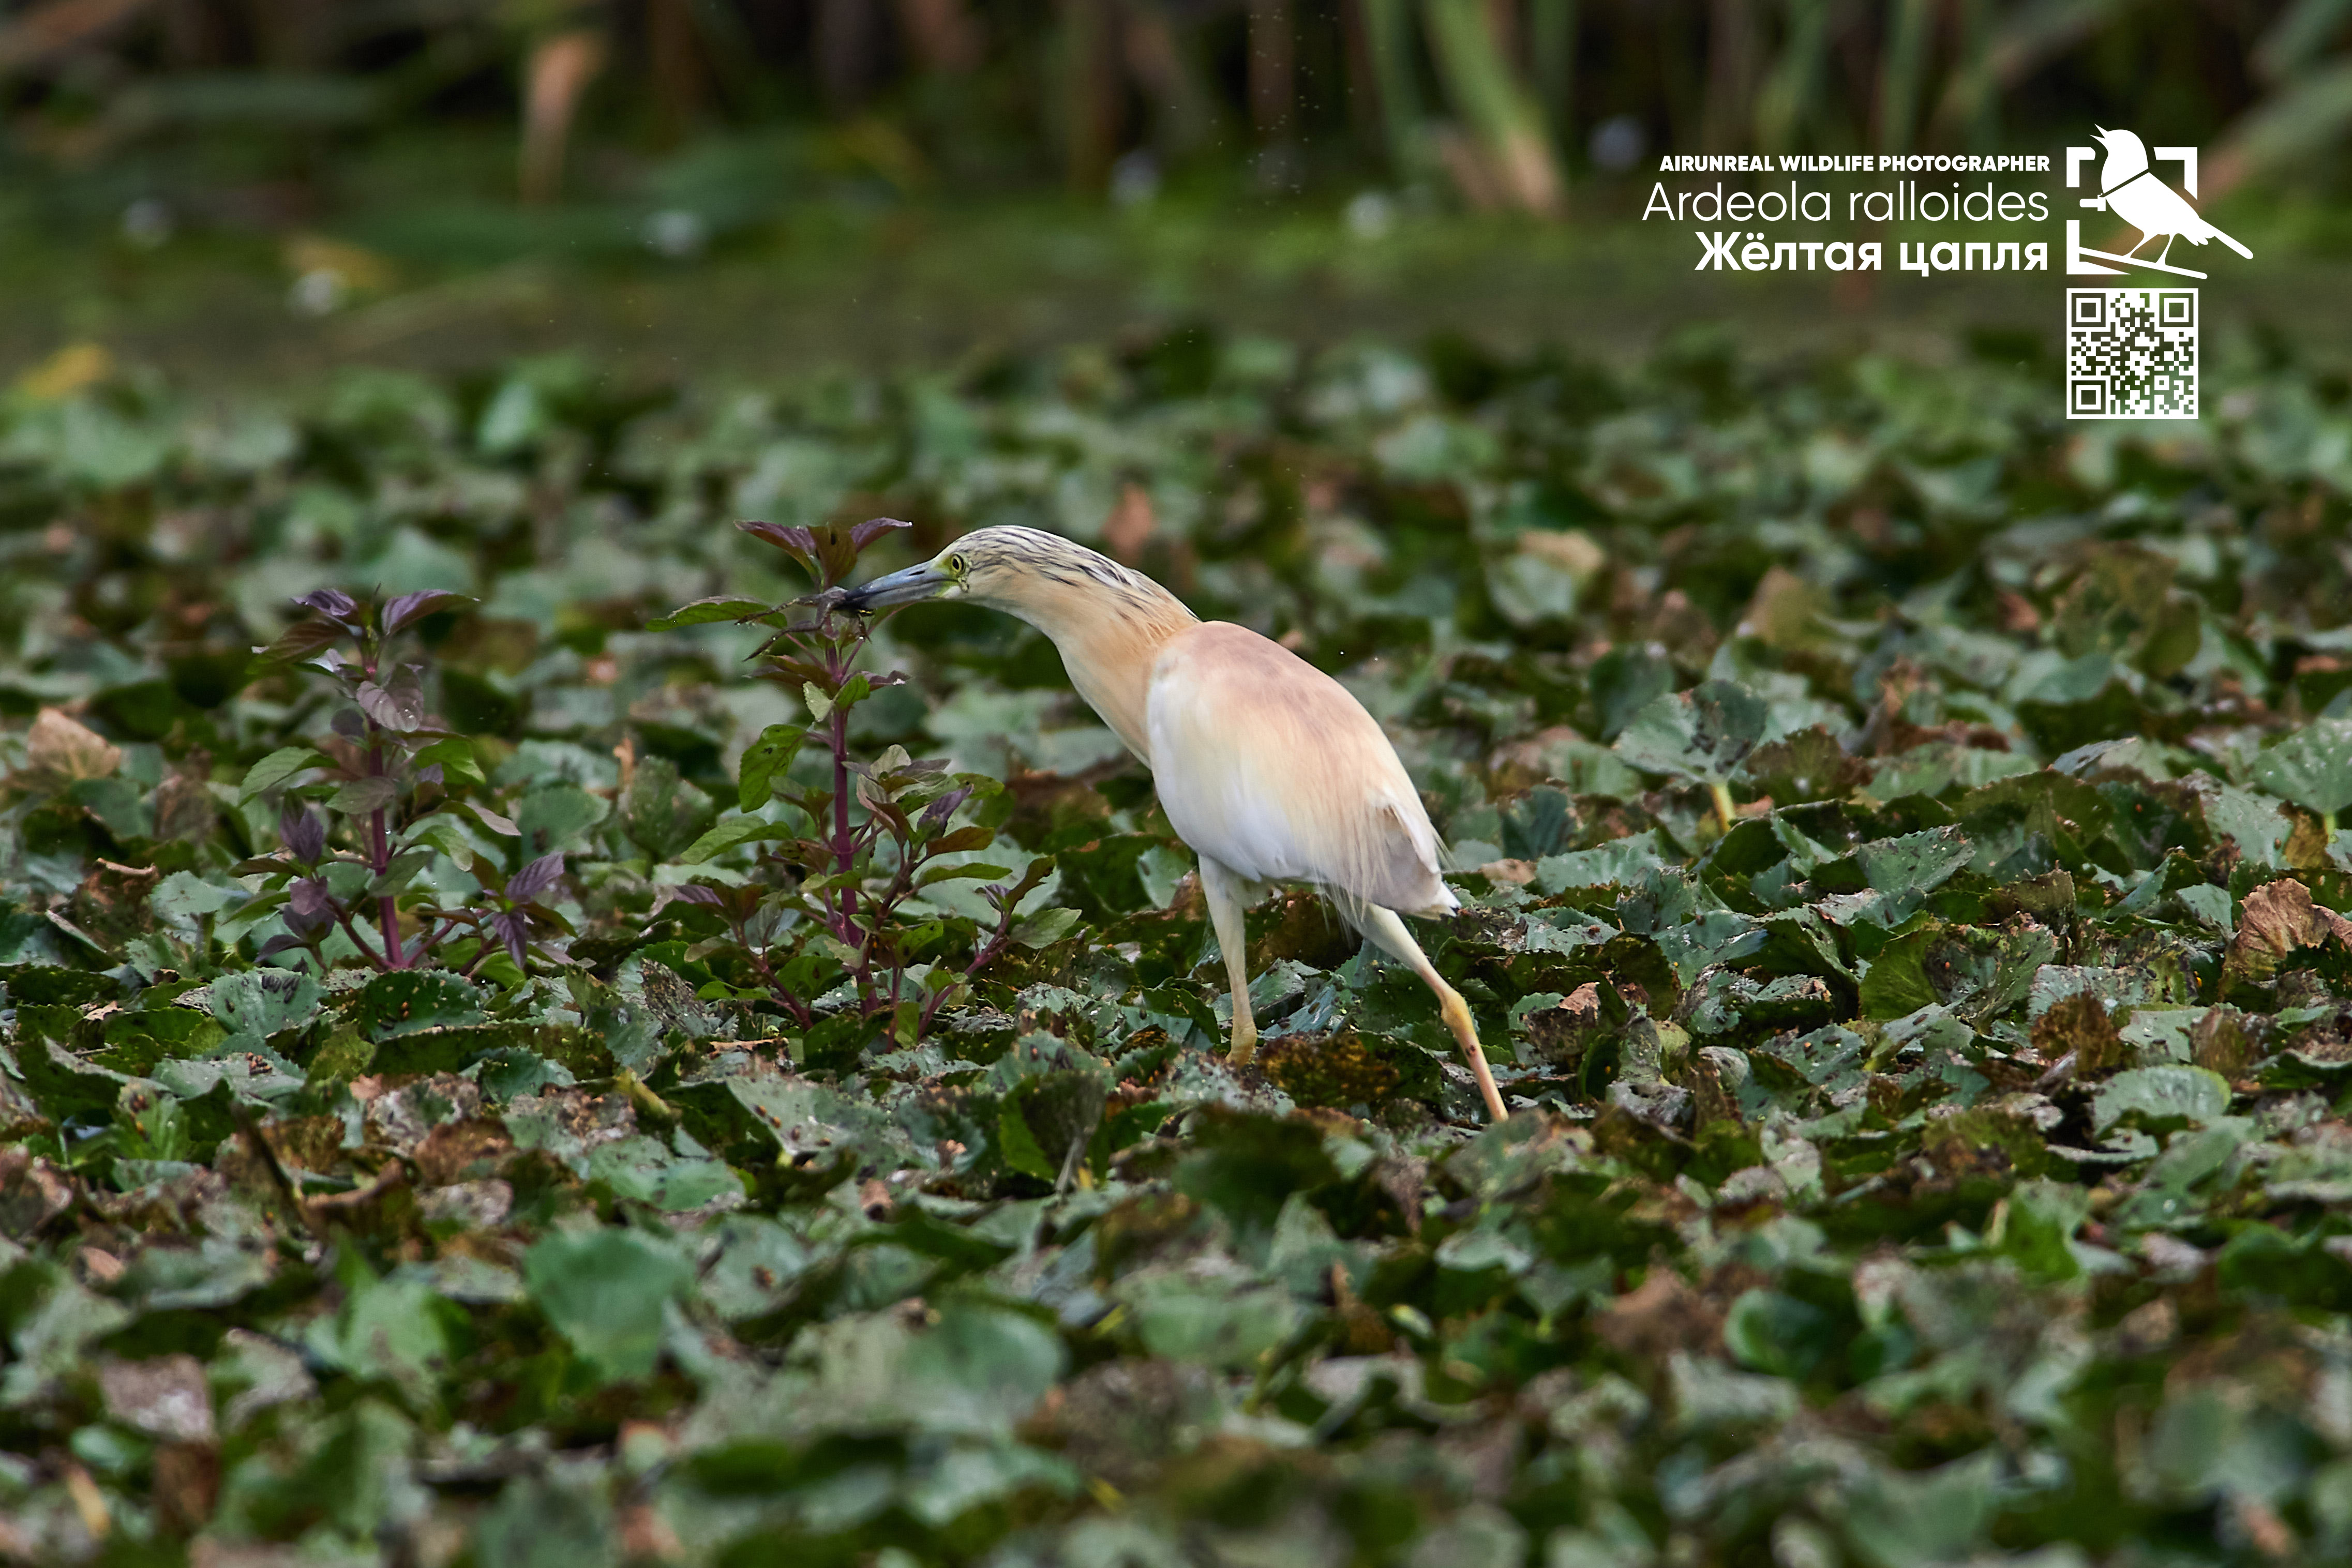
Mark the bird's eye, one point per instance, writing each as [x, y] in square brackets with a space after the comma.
[956, 564]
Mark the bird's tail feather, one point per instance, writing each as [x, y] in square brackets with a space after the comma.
[2233, 245]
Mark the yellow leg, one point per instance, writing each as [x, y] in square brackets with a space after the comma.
[1389, 932]
[1227, 895]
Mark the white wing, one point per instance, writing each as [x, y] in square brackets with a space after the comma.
[1269, 765]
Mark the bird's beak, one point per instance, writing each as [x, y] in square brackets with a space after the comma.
[915, 583]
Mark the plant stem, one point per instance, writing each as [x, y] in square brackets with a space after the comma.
[837, 662]
[844, 847]
[379, 829]
[352, 931]
[380, 858]
[761, 966]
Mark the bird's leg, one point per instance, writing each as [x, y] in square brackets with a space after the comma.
[2167, 250]
[2142, 245]
[1388, 932]
[1226, 895]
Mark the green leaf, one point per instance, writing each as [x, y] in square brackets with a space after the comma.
[456, 758]
[1916, 862]
[704, 611]
[1896, 984]
[262, 1002]
[1935, 1516]
[1620, 863]
[1777, 1333]
[183, 897]
[729, 833]
[643, 1170]
[1225, 1324]
[1045, 1114]
[279, 767]
[2161, 1096]
[1701, 734]
[406, 1001]
[981, 1369]
[1625, 681]
[1045, 928]
[556, 817]
[969, 870]
[2312, 767]
[442, 831]
[605, 1290]
[362, 797]
[764, 759]
[661, 813]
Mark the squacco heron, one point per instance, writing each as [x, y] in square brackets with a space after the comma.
[1266, 766]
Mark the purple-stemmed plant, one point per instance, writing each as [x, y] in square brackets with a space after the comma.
[837, 876]
[385, 772]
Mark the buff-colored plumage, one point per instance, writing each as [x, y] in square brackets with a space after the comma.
[1266, 766]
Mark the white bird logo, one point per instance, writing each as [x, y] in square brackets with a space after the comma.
[2132, 192]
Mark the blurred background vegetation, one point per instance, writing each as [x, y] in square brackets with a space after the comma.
[248, 185]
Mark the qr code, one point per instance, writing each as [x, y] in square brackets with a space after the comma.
[2131, 353]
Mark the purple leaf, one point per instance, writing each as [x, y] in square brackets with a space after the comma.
[513, 928]
[873, 528]
[333, 603]
[797, 543]
[409, 607]
[304, 834]
[936, 814]
[694, 892]
[398, 703]
[299, 641]
[535, 878]
[308, 907]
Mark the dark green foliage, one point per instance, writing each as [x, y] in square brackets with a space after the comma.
[1903, 901]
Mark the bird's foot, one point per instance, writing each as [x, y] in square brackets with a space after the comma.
[1243, 1050]
[1456, 1013]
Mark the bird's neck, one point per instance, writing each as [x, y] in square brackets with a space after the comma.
[1108, 642]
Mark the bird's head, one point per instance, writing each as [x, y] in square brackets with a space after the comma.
[1040, 577]
[947, 575]
[2123, 144]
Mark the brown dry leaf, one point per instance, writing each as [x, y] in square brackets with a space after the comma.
[60, 751]
[1559, 1032]
[2221, 1041]
[1663, 1314]
[2276, 919]
[187, 1484]
[165, 1397]
[2078, 1026]
[32, 1192]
